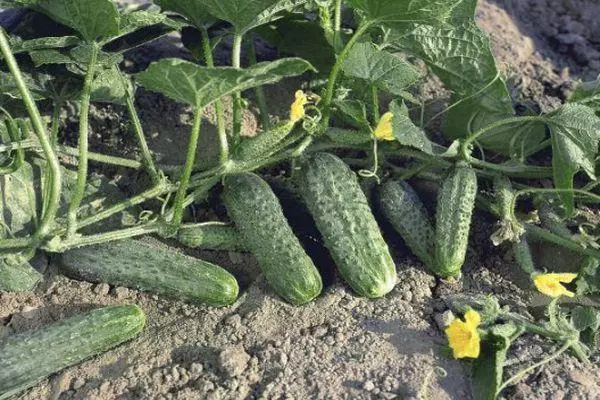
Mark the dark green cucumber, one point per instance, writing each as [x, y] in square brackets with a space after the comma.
[29, 357]
[523, 256]
[341, 212]
[211, 236]
[456, 201]
[17, 275]
[139, 265]
[258, 216]
[263, 144]
[403, 208]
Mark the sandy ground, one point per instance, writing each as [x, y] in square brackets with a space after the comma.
[340, 346]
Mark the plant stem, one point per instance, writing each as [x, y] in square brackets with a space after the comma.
[517, 171]
[178, 205]
[237, 96]
[82, 167]
[139, 133]
[548, 236]
[335, 72]
[55, 183]
[259, 91]
[103, 158]
[375, 105]
[22, 144]
[55, 123]
[208, 56]
[90, 240]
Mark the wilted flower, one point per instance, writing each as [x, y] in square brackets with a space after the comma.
[297, 108]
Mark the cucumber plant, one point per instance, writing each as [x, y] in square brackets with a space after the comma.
[359, 115]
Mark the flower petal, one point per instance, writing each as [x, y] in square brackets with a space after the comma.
[384, 129]
[473, 318]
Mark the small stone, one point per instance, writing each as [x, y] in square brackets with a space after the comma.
[121, 292]
[78, 383]
[234, 320]
[196, 368]
[407, 296]
[101, 289]
[54, 299]
[320, 331]
[233, 361]
[443, 320]
[368, 386]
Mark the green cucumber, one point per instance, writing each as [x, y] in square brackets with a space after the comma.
[523, 256]
[342, 214]
[139, 265]
[257, 214]
[29, 357]
[262, 145]
[403, 208]
[456, 201]
[210, 236]
[17, 275]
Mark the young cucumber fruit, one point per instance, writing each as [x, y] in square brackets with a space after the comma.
[210, 236]
[258, 216]
[403, 208]
[342, 215]
[139, 265]
[263, 144]
[29, 357]
[456, 201]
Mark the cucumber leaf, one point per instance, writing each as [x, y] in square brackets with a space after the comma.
[587, 321]
[245, 15]
[380, 68]
[200, 86]
[588, 278]
[195, 11]
[488, 369]
[405, 12]
[16, 274]
[79, 56]
[18, 45]
[587, 93]
[107, 87]
[406, 132]
[8, 86]
[464, 11]
[94, 20]
[18, 204]
[575, 137]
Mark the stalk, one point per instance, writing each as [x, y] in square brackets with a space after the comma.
[237, 97]
[259, 91]
[55, 182]
[178, 204]
[337, 24]
[223, 144]
[82, 167]
[103, 158]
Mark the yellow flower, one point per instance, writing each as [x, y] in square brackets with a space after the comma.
[297, 108]
[384, 129]
[463, 336]
[550, 284]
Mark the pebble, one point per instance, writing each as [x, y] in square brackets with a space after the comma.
[233, 360]
[78, 383]
[196, 368]
[102, 289]
[121, 292]
[320, 331]
[368, 386]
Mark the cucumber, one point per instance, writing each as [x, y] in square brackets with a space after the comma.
[342, 215]
[403, 208]
[139, 265]
[17, 275]
[257, 214]
[262, 145]
[211, 236]
[456, 201]
[29, 357]
[523, 256]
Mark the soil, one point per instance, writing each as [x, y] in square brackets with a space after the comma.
[339, 346]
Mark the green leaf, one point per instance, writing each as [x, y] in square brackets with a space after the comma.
[380, 68]
[575, 138]
[18, 45]
[8, 86]
[195, 11]
[79, 56]
[588, 278]
[587, 93]
[17, 202]
[463, 12]
[587, 321]
[94, 20]
[354, 112]
[17, 275]
[200, 86]
[245, 15]
[403, 11]
[107, 87]
[488, 369]
[406, 132]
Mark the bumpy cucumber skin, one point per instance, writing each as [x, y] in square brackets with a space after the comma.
[211, 237]
[523, 256]
[403, 208]
[262, 145]
[257, 214]
[456, 201]
[139, 265]
[343, 216]
[17, 275]
[27, 358]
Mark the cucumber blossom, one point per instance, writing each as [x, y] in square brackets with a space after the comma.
[342, 214]
[403, 208]
[257, 215]
[455, 204]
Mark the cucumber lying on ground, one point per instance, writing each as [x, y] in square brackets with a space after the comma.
[456, 201]
[139, 265]
[258, 216]
[17, 275]
[210, 236]
[342, 215]
[29, 357]
[403, 208]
